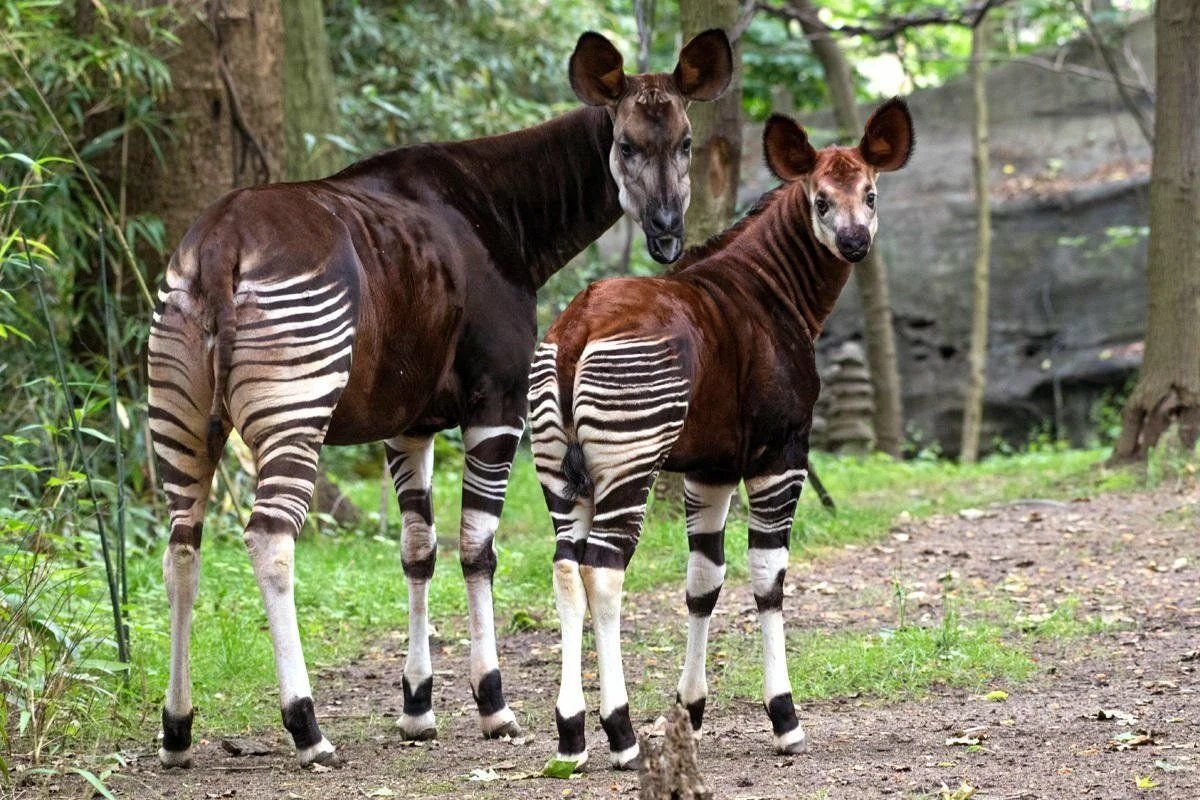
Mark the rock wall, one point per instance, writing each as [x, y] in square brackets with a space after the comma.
[1068, 301]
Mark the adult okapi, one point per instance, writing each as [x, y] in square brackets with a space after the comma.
[390, 301]
[708, 371]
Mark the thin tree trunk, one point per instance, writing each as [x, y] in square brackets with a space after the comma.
[870, 275]
[716, 129]
[309, 96]
[977, 359]
[1168, 389]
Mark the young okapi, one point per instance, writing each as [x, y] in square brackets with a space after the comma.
[708, 371]
[390, 301]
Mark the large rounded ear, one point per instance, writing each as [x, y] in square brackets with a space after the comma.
[789, 153]
[597, 71]
[888, 141]
[705, 66]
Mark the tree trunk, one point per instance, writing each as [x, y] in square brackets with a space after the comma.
[977, 358]
[716, 129]
[870, 275]
[226, 107]
[1168, 389]
[309, 96]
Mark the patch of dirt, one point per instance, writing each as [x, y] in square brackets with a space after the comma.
[1132, 559]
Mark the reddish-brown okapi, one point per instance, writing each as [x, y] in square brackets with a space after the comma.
[708, 371]
[390, 301]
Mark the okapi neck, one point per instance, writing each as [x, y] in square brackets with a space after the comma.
[800, 271]
[548, 186]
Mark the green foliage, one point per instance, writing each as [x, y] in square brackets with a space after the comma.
[428, 70]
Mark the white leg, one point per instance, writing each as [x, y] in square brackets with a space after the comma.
[570, 708]
[272, 555]
[410, 462]
[707, 507]
[604, 587]
[489, 455]
[772, 507]
[181, 574]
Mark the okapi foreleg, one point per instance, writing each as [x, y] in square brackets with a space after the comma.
[707, 507]
[410, 462]
[489, 456]
[773, 500]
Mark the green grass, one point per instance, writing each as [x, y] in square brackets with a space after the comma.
[350, 588]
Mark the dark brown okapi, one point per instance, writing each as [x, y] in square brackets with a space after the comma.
[709, 371]
[390, 301]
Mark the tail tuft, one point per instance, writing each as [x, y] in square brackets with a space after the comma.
[215, 441]
[574, 468]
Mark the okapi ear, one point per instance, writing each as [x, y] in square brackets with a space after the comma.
[705, 66]
[888, 141]
[597, 71]
[789, 153]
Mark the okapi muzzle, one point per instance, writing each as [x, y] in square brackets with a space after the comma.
[652, 138]
[663, 226]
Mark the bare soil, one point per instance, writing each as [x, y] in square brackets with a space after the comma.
[1133, 559]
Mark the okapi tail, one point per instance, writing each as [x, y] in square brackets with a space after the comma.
[217, 285]
[575, 474]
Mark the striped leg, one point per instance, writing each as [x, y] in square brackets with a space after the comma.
[707, 506]
[490, 452]
[773, 500]
[572, 518]
[410, 461]
[180, 395]
[630, 402]
[290, 364]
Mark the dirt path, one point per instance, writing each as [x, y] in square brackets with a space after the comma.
[1132, 559]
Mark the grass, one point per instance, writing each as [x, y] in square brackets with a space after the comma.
[350, 588]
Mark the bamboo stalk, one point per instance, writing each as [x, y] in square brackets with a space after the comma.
[110, 336]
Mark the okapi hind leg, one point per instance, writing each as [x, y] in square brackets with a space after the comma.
[286, 476]
[490, 450]
[571, 515]
[773, 499]
[180, 396]
[410, 462]
[630, 403]
[707, 506]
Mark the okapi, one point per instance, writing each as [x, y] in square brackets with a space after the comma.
[709, 371]
[390, 301]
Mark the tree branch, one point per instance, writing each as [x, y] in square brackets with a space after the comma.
[1136, 111]
[886, 27]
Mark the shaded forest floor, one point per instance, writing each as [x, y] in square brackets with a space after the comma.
[1100, 598]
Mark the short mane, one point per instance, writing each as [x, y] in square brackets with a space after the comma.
[719, 241]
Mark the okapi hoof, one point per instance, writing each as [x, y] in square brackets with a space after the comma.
[510, 729]
[630, 759]
[175, 759]
[417, 729]
[322, 754]
[176, 750]
[792, 743]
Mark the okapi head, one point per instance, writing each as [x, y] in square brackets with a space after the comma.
[652, 138]
[839, 182]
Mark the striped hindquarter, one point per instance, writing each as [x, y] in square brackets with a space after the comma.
[286, 366]
[629, 402]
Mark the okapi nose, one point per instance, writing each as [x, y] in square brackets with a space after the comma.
[664, 220]
[853, 243]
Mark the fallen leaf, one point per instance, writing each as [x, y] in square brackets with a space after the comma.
[1145, 783]
[1123, 717]
[1130, 740]
[381, 791]
[556, 768]
[481, 774]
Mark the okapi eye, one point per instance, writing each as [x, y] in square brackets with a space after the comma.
[870, 199]
[686, 146]
[627, 150]
[822, 206]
